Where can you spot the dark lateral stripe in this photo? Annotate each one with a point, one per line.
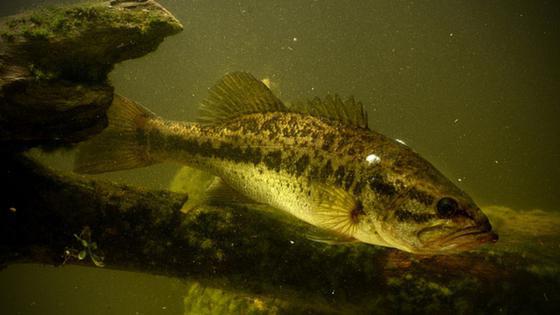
(358, 187)
(273, 160)
(408, 216)
(226, 151)
(301, 165)
(421, 197)
(327, 170)
(296, 164)
(382, 187)
(254, 155)
(339, 176)
(314, 172)
(349, 180)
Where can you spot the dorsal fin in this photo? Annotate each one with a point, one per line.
(349, 111)
(239, 93)
(235, 94)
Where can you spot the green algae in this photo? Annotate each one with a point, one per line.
(52, 22)
(206, 300)
(83, 42)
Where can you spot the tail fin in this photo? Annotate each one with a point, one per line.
(121, 145)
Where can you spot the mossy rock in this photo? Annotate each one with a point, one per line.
(83, 42)
(54, 64)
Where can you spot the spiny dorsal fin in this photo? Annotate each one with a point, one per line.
(349, 111)
(235, 94)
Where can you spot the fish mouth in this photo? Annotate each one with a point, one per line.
(461, 240)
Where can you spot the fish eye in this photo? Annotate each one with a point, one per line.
(447, 207)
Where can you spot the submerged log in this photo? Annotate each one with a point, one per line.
(54, 64)
(240, 256)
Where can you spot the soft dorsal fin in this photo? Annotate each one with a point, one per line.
(235, 94)
(349, 111)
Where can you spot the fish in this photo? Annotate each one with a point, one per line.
(317, 160)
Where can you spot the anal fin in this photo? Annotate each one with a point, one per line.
(220, 193)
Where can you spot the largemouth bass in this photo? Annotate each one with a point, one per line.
(318, 161)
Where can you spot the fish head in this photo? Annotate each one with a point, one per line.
(450, 224)
(426, 213)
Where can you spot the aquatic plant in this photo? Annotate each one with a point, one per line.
(88, 249)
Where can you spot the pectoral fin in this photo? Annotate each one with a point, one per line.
(337, 210)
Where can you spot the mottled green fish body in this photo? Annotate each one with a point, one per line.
(318, 161)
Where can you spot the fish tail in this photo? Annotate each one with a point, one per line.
(122, 145)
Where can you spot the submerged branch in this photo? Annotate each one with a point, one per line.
(258, 255)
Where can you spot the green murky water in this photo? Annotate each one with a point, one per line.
(471, 85)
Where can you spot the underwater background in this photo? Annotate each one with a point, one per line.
(473, 86)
